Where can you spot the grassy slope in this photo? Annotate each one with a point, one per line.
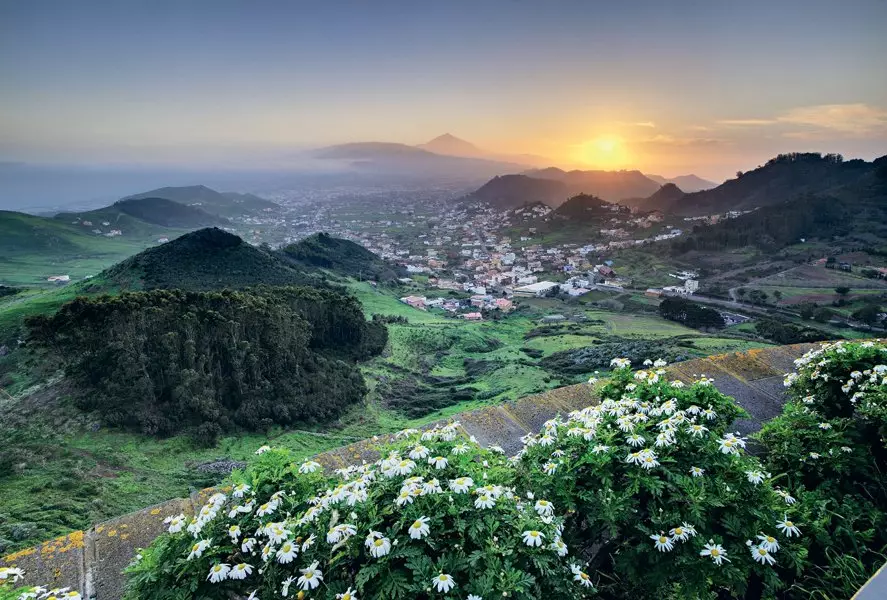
(69, 476)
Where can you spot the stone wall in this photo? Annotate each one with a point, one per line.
(91, 561)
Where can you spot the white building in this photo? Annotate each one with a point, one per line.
(534, 289)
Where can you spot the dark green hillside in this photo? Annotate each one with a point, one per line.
(209, 200)
(781, 179)
(587, 209)
(343, 257)
(145, 216)
(168, 361)
(21, 233)
(203, 260)
(854, 214)
(251, 202)
(668, 197)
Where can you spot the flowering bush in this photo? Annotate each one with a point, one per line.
(831, 441)
(662, 497)
(10, 575)
(437, 517)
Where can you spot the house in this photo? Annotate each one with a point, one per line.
(162, 240)
(691, 285)
(534, 289)
(473, 316)
(606, 271)
(577, 291)
(414, 301)
(845, 266)
(479, 300)
(504, 304)
(653, 293)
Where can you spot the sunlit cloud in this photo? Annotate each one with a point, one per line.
(645, 124)
(746, 122)
(670, 140)
(857, 119)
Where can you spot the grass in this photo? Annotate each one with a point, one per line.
(65, 474)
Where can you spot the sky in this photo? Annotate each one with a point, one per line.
(708, 86)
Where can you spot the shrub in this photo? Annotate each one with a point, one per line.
(830, 440)
(436, 511)
(653, 480)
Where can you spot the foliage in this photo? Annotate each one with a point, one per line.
(342, 256)
(650, 477)
(402, 527)
(204, 260)
(205, 362)
(598, 356)
(830, 441)
(689, 313)
(786, 333)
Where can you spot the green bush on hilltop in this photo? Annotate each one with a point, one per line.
(166, 361)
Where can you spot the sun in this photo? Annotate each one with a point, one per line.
(606, 151)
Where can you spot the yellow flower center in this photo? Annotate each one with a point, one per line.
(771, 539)
(378, 542)
(417, 524)
(715, 552)
(583, 575)
(662, 539)
(534, 534)
(789, 524)
(678, 531)
(762, 552)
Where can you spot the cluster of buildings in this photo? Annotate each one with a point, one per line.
(467, 308)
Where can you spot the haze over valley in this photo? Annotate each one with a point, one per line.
(442, 300)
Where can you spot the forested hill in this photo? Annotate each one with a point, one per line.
(226, 204)
(781, 179)
(854, 215)
(203, 363)
(585, 208)
(145, 215)
(203, 260)
(666, 198)
(513, 191)
(342, 257)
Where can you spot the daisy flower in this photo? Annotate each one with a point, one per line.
(438, 462)
(770, 543)
(461, 485)
(287, 553)
(662, 542)
(443, 583)
(311, 577)
(379, 547)
(218, 573)
(580, 576)
(788, 528)
(716, 552)
(419, 528)
(198, 548)
(240, 571)
(484, 501)
(544, 508)
(697, 472)
(309, 466)
(533, 538)
(347, 595)
(762, 555)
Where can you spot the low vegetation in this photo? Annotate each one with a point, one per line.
(203, 363)
(646, 495)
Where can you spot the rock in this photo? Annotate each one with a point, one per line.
(221, 466)
(4, 350)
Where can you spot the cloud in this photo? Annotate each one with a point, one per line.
(645, 124)
(670, 140)
(824, 120)
(746, 122)
(856, 119)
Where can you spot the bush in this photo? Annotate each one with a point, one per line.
(653, 480)
(830, 440)
(407, 526)
(689, 313)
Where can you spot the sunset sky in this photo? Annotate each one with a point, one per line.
(670, 87)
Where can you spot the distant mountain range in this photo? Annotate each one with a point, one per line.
(449, 145)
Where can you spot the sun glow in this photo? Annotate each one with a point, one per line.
(604, 152)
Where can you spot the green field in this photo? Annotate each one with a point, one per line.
(65, 472)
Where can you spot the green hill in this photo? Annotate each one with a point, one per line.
(208, 200)
(204, 260)
(781, 179)
(343, 257)
(144, 216)
(22, 233)
(852, 216)
(587, 209)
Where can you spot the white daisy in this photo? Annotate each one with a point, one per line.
(311, 577)
(770, 543)
(662, 542)
(240, 571)
(198, 548)
(533, 538)
(762, 555)
(443, 583)
(716, 552)
(218, 572)
(438, 462)
(379, 547)
(287, 553)
(788, 528)
(544, 508)
(484, 501)
(697, 471)
(419, 528)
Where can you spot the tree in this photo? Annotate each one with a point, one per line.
(777, 294)
(870, 314)
(807, 310)
(842, 290)
(690, 313)
(823, 314)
